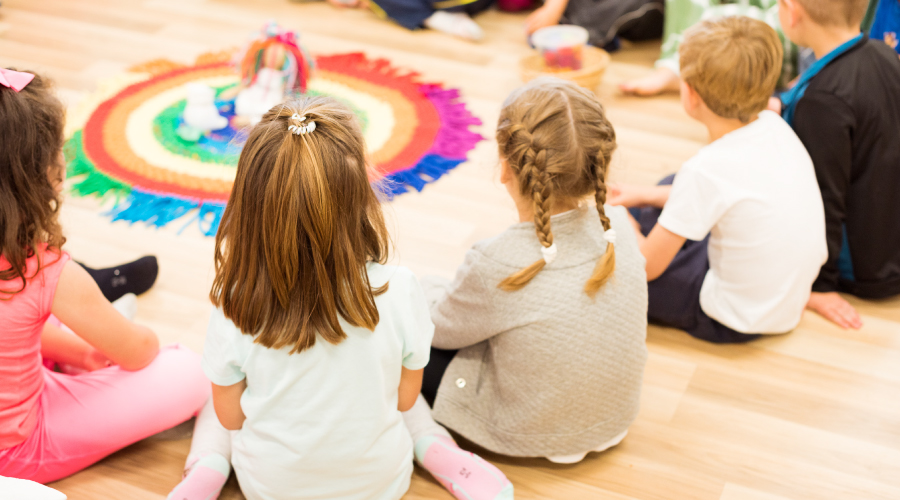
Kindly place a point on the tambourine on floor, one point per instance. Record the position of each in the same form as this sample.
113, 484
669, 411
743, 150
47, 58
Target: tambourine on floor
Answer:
813, 415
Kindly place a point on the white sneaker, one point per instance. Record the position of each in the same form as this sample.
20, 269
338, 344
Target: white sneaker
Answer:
457, 24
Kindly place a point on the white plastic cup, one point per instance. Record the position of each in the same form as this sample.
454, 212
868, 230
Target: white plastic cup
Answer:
561, 46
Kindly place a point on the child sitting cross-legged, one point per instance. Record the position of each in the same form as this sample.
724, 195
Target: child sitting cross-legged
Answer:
741, 232
120, 386
846, 111
541, 336
315, 345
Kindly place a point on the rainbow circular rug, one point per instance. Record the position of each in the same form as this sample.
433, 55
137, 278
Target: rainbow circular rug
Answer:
124, 142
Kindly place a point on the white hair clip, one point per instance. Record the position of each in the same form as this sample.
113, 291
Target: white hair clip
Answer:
549, 253
610, 236
297, 127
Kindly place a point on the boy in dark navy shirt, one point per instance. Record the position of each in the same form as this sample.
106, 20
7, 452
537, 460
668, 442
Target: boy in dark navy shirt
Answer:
846, 110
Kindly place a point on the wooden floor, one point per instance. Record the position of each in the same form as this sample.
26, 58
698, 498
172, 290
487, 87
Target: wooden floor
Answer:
811, 415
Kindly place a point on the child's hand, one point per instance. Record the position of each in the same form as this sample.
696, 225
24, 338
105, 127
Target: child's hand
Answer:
548, 15
627, 195
835, 309
774, 105
95, 360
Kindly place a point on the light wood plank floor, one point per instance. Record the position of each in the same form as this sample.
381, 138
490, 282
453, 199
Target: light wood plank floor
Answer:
811, 415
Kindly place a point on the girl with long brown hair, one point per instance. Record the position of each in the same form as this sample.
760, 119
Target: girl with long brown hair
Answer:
315, 346
541, 335
54, 424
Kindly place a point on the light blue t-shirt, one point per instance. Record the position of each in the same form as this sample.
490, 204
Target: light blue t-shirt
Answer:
323, 423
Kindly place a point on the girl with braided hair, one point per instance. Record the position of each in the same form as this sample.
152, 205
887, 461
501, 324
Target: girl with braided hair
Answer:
541, 337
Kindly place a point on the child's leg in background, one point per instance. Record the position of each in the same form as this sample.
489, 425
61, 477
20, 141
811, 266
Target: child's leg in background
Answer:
84, 418
209, 462
604, 20
411, 14
134, 277
469, 7
437, 364
680, 15
449, 16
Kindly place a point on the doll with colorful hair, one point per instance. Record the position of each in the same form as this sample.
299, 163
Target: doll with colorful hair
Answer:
273, 66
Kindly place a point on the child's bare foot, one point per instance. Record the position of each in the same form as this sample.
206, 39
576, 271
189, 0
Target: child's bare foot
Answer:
661, 80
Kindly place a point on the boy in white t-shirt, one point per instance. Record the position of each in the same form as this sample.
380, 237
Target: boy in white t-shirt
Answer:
741, 235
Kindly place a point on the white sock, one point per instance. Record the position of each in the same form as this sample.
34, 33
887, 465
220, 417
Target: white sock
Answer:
126, 305
209, 436
420, 423
458, 24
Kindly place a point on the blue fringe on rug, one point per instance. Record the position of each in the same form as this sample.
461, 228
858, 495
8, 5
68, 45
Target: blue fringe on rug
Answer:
159, 210
429, 169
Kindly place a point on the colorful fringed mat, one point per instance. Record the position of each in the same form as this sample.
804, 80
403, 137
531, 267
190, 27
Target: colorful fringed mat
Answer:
123, 142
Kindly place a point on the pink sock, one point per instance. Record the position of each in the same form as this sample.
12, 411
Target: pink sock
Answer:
466, 475
204, 481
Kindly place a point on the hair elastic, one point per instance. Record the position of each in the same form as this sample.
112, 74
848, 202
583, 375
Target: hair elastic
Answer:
549, 253
610, 236
297, 128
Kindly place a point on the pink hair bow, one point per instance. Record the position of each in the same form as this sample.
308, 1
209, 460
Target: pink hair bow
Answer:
15, 80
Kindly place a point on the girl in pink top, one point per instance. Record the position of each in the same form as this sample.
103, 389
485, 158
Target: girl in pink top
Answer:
52, 424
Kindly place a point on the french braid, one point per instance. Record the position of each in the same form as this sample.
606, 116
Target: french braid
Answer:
557, 141
534, 167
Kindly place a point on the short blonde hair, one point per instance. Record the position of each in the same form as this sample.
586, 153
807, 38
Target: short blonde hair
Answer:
733, 63
843, 13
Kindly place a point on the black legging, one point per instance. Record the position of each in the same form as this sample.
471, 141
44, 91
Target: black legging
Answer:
434, 372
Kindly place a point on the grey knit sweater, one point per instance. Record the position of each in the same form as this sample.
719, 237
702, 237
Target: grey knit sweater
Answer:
545, 370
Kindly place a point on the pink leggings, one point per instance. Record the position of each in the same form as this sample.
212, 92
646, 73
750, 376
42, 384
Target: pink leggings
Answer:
83, 418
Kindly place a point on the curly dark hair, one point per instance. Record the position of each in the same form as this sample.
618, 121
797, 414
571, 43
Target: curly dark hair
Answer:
31, 142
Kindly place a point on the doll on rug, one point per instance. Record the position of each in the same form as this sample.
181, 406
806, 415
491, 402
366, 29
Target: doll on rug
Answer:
273, 66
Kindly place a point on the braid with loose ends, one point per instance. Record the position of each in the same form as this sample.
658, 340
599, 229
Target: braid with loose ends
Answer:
557, 141
536, 164
607, 262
